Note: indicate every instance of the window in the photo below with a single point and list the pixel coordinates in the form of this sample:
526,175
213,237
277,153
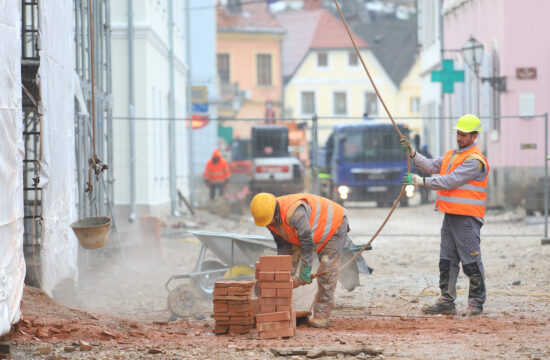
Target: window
263,69
339,103
223,68
371,104
415,105
308,102
322,59
353,60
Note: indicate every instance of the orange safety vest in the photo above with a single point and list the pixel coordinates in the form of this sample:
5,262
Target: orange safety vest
216,172
470,198
326,218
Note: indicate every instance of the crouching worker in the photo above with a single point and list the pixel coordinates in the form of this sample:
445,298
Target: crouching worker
302,224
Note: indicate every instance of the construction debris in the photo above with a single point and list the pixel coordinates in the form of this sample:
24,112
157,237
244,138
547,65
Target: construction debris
334,350
232,308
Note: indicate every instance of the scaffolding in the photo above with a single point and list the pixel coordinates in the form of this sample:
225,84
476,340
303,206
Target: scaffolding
32,191
30,62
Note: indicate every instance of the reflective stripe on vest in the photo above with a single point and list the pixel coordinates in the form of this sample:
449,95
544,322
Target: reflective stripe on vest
469,199
326,217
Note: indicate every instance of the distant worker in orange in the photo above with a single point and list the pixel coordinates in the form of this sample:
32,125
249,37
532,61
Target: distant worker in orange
216,174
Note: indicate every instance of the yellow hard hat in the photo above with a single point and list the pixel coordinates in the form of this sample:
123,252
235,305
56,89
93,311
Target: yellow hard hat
468,123
262,208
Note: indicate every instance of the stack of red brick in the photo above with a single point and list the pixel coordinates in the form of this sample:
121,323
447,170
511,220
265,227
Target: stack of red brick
275,318
232,308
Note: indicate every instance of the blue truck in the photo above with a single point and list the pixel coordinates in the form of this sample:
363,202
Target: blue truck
364,162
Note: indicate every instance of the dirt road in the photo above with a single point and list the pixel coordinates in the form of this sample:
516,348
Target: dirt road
128,300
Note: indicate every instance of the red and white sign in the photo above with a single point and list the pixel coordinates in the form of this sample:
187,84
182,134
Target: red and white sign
526,73
271,168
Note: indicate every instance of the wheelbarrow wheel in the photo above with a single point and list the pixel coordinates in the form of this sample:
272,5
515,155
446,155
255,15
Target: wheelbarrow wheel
205,283
183,300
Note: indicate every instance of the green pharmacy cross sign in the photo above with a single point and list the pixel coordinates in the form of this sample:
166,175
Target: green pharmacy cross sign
447,76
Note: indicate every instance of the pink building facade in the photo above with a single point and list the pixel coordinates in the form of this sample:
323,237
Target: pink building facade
516,48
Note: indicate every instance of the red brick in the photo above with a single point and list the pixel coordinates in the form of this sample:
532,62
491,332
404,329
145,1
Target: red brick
276,316
238,291
257,266
266,276
293,321
231,297
275,284
277,333
255,305
282,275
234,283
268,293
274,325
283,308
276,263
267,309
283,293
220,291
220,308
276,301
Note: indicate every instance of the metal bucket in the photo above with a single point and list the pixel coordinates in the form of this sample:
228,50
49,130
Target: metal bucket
92,232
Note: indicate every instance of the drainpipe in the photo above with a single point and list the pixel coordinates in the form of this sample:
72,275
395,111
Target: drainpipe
172,112
131,111
439,128
189,105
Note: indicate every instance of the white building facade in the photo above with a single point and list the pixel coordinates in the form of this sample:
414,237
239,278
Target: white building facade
150,163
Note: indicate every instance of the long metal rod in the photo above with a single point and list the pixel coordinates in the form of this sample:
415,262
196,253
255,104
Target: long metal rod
333,117
131,111
109,105
172,124
189,105
92,68
546,176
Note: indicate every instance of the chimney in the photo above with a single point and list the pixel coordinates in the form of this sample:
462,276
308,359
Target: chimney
312,4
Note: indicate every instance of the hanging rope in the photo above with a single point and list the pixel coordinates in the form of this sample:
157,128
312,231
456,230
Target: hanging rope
396,129
96,165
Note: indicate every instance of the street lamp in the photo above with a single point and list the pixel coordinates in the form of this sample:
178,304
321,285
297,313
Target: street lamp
473,54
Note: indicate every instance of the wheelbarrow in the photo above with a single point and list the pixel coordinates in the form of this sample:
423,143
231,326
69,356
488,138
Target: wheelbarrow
237,255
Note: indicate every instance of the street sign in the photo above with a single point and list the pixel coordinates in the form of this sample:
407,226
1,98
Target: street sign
200,108
199,94
447,76
526,73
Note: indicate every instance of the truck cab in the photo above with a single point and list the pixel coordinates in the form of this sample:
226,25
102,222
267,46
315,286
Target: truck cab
274,169
366,163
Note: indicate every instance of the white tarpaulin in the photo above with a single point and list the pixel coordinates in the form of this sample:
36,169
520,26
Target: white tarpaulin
57,62
12,263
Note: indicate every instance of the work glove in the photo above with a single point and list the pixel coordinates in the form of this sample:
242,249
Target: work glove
406,145
413,179
305,276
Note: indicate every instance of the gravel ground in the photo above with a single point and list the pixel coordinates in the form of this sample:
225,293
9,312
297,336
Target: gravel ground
127,297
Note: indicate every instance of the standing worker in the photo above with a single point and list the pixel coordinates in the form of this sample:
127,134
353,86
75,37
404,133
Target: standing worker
462,194
305,224
216,174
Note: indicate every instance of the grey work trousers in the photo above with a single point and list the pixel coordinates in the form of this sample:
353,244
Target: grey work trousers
460,243
329,262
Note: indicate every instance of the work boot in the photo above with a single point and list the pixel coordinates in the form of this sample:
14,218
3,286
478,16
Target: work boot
473,310
446,308
318,322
